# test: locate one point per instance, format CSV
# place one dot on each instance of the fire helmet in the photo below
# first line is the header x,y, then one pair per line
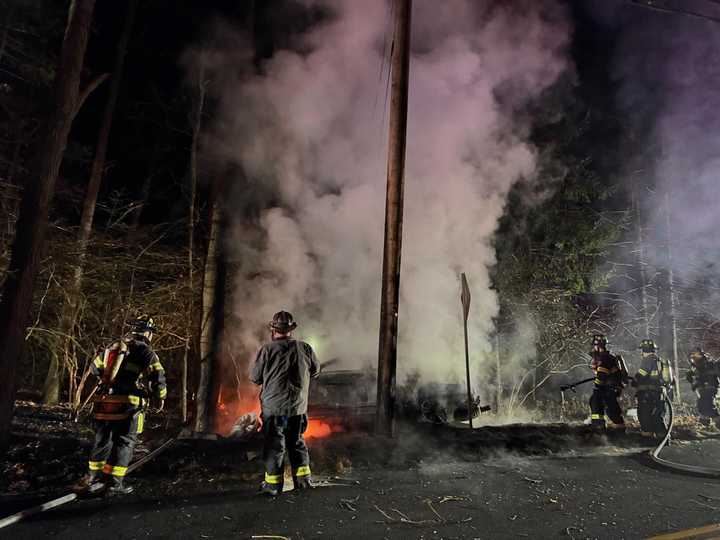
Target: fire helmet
x,y
599,340
283,322
648,346
142,324
697,356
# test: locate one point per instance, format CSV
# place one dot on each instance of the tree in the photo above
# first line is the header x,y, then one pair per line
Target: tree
x,y
74,288
32,221
212,314
192,220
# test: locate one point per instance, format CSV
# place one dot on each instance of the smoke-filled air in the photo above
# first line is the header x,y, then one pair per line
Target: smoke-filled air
x,y
309,135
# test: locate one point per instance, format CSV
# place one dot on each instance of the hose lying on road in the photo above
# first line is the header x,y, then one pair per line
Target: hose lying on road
x,y
694,469
54,503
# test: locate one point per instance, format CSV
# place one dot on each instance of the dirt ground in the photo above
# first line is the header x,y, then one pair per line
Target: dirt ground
x,y
514,481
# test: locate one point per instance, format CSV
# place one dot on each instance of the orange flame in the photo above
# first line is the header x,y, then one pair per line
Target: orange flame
x,y
317,429
229,410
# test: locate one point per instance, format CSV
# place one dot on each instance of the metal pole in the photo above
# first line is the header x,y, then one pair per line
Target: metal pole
x,y
465,299
389,300
498,372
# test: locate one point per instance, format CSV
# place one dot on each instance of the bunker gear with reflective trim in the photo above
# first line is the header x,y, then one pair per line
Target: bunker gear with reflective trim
x,y
704,376
651,381
284,434
118,409
115,442
609,378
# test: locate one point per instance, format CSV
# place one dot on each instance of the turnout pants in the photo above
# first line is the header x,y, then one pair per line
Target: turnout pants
x,y
285,433
114,444
651,411
706,403
604,401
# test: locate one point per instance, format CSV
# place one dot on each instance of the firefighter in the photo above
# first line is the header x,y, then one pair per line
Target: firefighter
x,y
610,376
704,376
653,381
120,402
283,369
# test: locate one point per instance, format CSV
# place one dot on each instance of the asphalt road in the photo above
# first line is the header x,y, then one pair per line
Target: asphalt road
x,y
594,492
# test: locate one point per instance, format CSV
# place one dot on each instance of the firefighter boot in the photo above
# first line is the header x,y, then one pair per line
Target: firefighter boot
x,y
303,482
90,478
118,487
270,490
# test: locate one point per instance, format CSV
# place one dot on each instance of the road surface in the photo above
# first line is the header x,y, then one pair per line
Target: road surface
x,y
596,491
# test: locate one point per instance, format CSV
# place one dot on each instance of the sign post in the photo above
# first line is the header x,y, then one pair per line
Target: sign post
x,y
465,299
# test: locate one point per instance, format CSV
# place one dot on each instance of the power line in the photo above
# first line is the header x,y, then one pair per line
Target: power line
x,y
649,4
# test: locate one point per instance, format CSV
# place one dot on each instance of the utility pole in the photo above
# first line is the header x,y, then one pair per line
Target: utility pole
x,y
390,295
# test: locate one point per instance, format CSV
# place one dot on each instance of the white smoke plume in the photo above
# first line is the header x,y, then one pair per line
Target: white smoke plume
x,y
309,133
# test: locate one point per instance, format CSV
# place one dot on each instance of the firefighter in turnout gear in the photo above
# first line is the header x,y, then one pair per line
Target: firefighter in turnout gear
x,y
283,368
120,402
704,376
610,377
652,382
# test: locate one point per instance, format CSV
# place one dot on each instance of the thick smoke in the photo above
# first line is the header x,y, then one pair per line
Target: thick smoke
x,y
309,134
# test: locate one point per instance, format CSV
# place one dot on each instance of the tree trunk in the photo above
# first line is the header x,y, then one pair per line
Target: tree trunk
x,y
673,301
6,32
145,190
32,222
192,219
642,264
68,317
208,330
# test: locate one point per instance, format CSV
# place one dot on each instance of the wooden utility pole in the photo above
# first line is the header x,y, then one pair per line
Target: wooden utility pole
x,y
465,299
17,294
390,296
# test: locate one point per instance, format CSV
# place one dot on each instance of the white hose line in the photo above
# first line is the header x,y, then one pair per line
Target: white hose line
x,y
694,469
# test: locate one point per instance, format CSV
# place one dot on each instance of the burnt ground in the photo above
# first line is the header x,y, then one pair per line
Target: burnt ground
x,y
517,481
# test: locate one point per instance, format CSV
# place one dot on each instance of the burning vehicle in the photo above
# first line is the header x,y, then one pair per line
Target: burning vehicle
x,y
444,403
343,400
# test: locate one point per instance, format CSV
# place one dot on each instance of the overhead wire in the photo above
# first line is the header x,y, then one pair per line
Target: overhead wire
x,y
679,11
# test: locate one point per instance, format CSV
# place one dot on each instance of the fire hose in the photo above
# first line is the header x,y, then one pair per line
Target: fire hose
x,y
54,503
655,453
693,469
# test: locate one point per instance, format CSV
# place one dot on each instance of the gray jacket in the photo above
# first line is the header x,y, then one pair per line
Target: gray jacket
x,y
283,368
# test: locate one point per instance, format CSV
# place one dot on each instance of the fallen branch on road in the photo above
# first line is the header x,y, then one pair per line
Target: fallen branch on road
x,y
706,505
447,498
348,504
405,519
